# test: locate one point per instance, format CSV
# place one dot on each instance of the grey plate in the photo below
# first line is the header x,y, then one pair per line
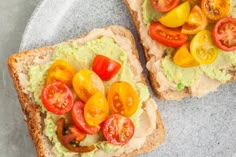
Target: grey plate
x,y
204,127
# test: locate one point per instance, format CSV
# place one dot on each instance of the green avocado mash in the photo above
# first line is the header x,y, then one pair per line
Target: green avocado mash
x,y
185,77
149,13
81,57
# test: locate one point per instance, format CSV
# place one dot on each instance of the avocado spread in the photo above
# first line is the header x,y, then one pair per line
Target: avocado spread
x,y
186,77
80,57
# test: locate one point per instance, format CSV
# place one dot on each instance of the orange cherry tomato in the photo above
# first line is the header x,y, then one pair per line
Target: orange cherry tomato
x,y
122,99
196,21
96,109
86,83
118,129
184,58
78,119
105,67
62,71
215,9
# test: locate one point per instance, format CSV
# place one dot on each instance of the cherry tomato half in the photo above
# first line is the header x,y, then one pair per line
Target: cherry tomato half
x,y
167,36
122,99
105,67
203,48
164,5
78,119
86,83
57,98
177,16
196,21
96,109
215,9
62,71
118,129
70,136
184,58
224,34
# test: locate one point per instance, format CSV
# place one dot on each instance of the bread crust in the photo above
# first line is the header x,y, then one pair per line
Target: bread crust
x,y
33,114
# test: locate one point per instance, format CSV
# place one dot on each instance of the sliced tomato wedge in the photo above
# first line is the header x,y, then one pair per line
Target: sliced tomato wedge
x,y
224,34
118,129
196,21
86,83
167,36
105,67
57,98
78,119
184,58
62,71
122,99
164,5
70,136
203,48
215,9
96,109
177,16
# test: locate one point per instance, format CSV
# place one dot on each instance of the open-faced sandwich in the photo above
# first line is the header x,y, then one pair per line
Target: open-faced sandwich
x,y
190,45
87,97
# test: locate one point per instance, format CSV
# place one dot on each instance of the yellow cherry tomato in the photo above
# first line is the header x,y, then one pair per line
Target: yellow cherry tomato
x,y
203,48
96,109
177,16
122,99
184,58
62,71
86,83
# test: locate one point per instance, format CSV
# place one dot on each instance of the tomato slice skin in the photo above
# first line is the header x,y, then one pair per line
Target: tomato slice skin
x,y
118,129
73,137
203,48
122,99
215,9
105,67
79,121
166,36
62,71
196,21
96,109
57,98
164,5
224,34
86,83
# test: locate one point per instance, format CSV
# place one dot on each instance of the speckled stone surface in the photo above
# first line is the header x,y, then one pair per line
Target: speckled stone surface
x,y
196,127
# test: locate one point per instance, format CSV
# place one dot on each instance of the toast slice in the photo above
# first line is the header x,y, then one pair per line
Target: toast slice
x,y
164,87
19,65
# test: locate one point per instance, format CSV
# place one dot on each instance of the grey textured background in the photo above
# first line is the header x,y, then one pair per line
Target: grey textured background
x,y
195,127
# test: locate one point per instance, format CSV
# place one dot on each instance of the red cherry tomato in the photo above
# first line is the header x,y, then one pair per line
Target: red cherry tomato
x,y
70,136
167,36
78,118
57,98
105,67
164,5
118,129
224,34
